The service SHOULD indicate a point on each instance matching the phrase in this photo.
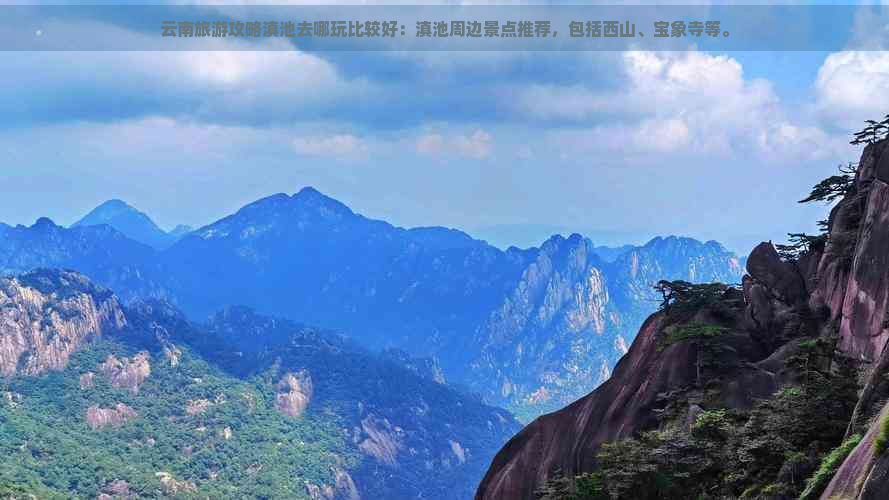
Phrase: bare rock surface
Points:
(294, 393)
(127, 373)
(98, 418)
(46, 316)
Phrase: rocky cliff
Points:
(757, 392)
(571, 316)
(46, 316)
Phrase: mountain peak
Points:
(105, 212)
(129, 221)
(44, 222)
(116, 203)
(311, 197)
(308, 191)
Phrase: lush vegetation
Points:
(770, 450)
(695, 330)
(208, 425)
(882, 440)
(681, 298)
(50, 451)
(872, 132)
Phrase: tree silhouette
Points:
(873, 132)
(835, 186)
(799, 244)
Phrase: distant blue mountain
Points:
(132, 223)
(530, 329)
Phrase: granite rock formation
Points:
(837, 289)
(46, 316)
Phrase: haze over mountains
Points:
(530, 329)
(132, 223)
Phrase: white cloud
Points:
(261, 82)
(476, 146)
(802, 142)
(662, 135)
(342, 146)
(852, 87)
(680, 102)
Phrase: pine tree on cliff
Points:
(835, 186)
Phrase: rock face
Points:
(381, 440)
(46, 316)
(520, 327)
(197, 407)
(294, 393)
(568, 439)
(117, 490)
(343, 488)
(565, 322)
(127, 373)
(98, 418)
(841, 287)
(173, 486)
(87, 380)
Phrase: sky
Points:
(509, 146)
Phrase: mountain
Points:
(101, 252)
(610, 254)
(529, 329)
(775, 389)
(571, 316)
(132, 223)
(512, 325)
(179, 231)
(242, 405)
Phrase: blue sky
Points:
(617, 145)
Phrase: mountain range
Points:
(528, 329)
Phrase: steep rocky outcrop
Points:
(172, 486)
(294, 393)
(741, 349)
(379, 439)
(628, 402)
(566, 321)
(98, 418)
(87, 380)
(343, 488)
(117, 490)
(125, 372)
(46, 316)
